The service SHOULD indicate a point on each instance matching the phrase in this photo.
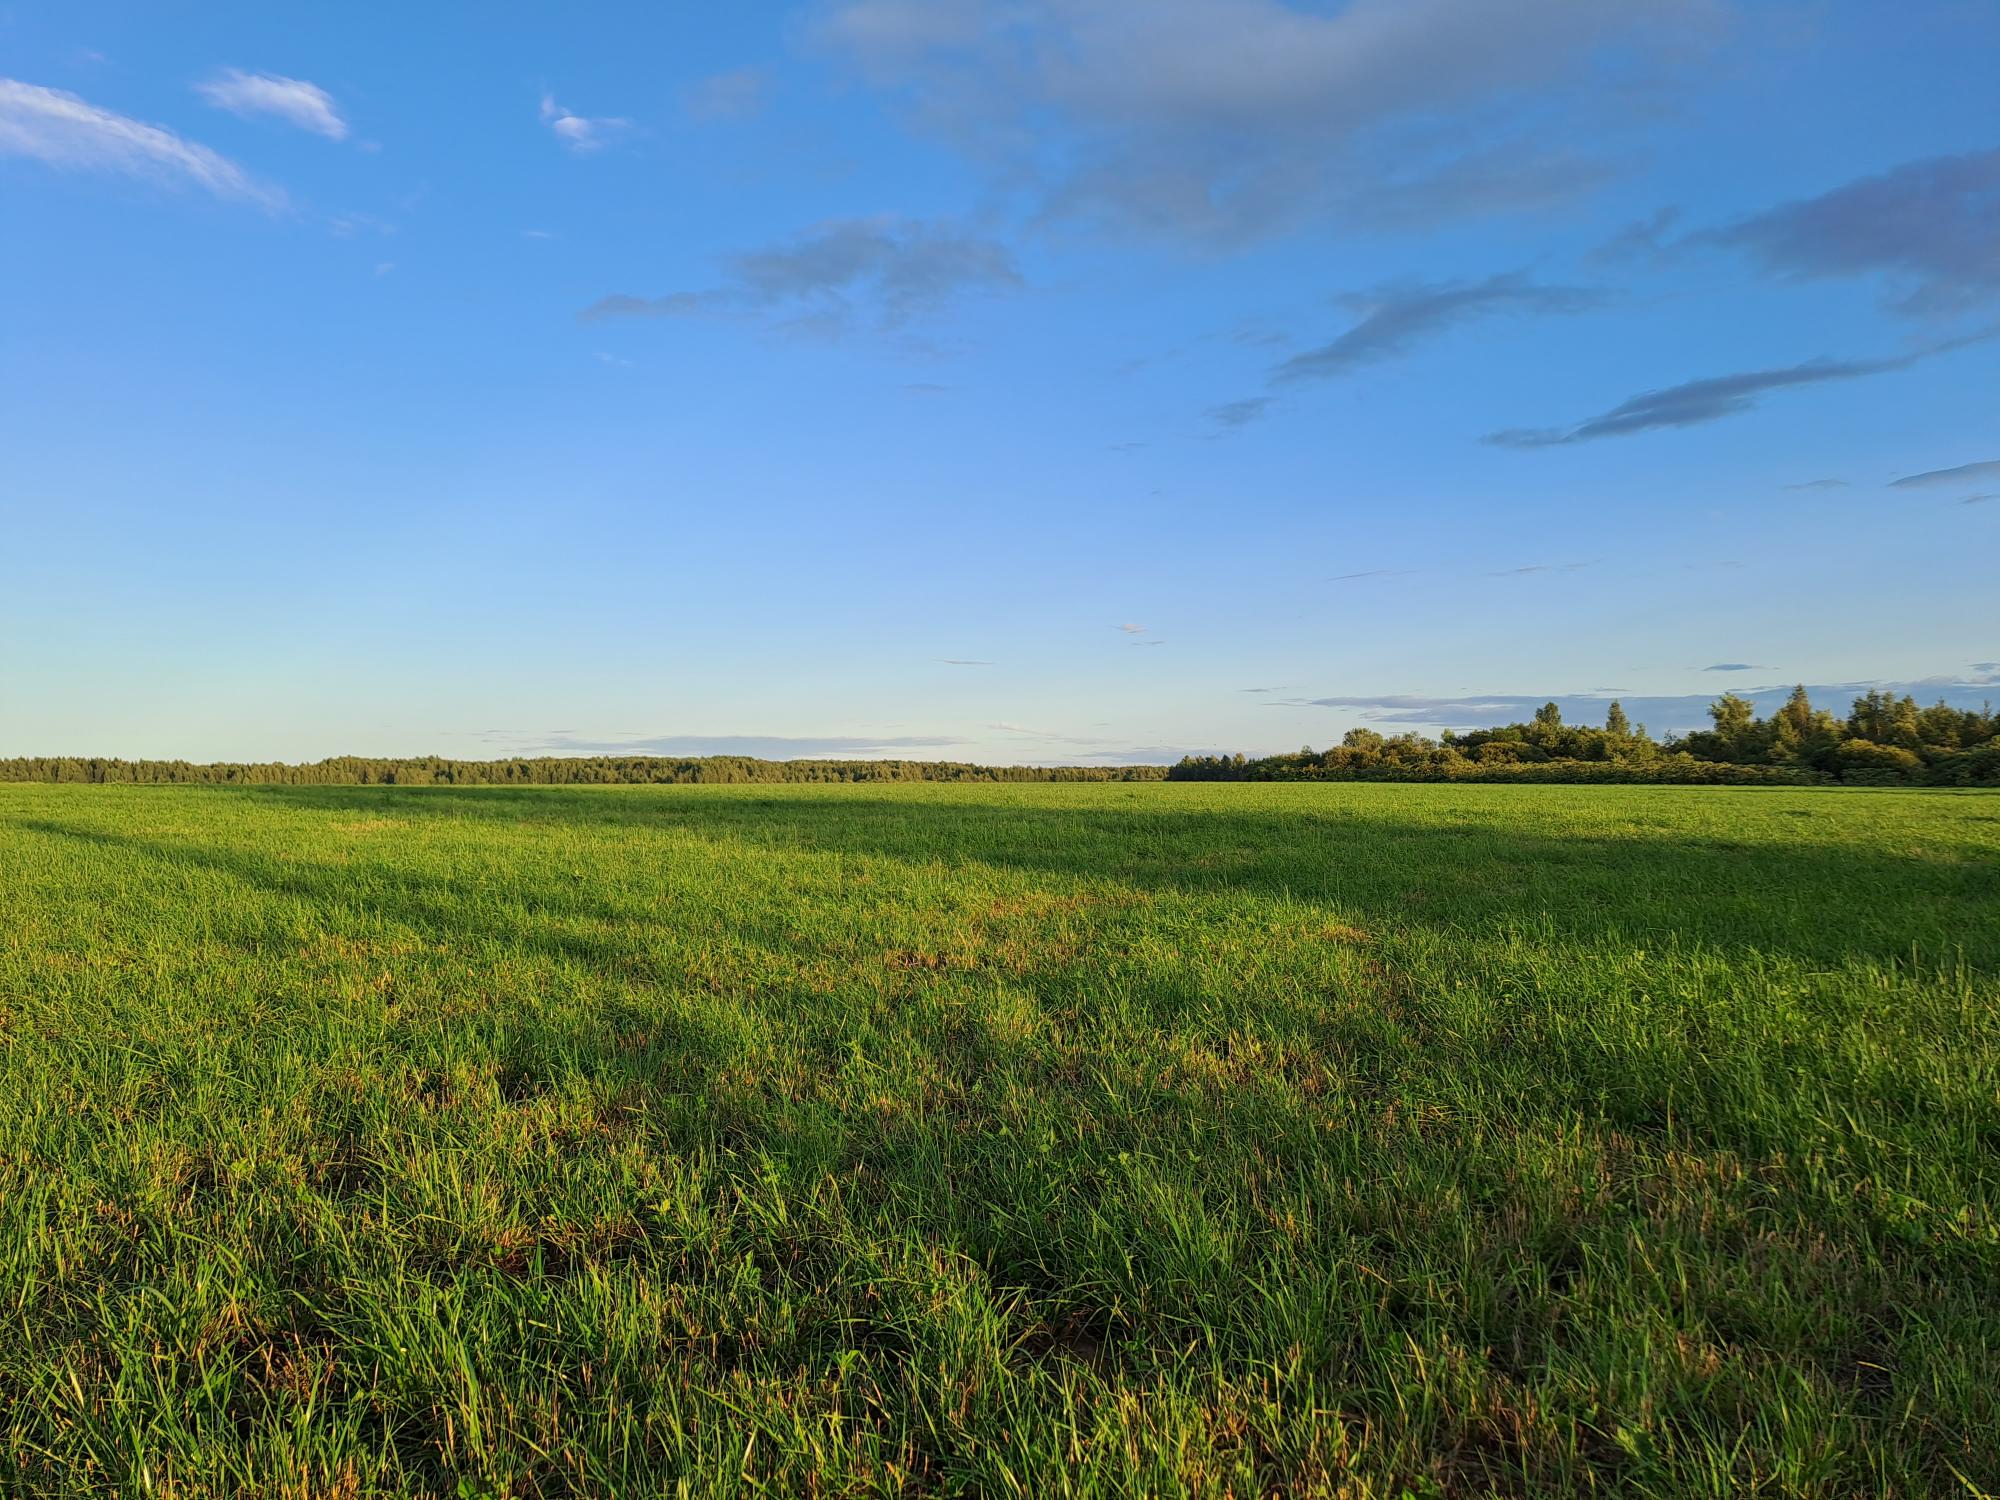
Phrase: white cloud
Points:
(69, 133)
(292, 100)
(581, 133)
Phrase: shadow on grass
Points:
(1464, 872)
(759, 1074)
(1432, 891)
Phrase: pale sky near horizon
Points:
(1002, 380)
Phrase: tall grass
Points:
(1110, 1140)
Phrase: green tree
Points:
(1735, 723)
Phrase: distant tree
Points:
(1801, 735)
(1942, 728)
(1735, 721)
(1884, 719)
(1615, 723)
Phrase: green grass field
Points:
(1359, 1140)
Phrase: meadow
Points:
(1207, 1139)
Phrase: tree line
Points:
(582, 770)
(1884, 740)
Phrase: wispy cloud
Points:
(1973, 473)
(582, 133)
(65, 131)
(1735, 666)
(1716, 396)
(1046, 736)
(1515, 177)
(1642, 240)
(1568, 567)
(888, 270)
(1394, 318)
(1819, 484)
(1239, 413)
(1224, 120)
(962, 661)
(1131, 629)
(1369, 573)
(293, 100)
(735, 95)
(1137, 755)
(1929, 226)
(349, 225)
(1660, 713)
(1984, 499)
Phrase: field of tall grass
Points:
(1359, 1140)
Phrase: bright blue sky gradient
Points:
(1015, 380)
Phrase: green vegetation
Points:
(1884, 741)
(1366, 1141)
(548, 770)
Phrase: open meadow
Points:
(1360, 1140)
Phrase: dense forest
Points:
(1883, 740)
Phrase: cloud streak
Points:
(1973, 473)
(1240, 413)
(1929, 226)
(1663, 714)
(65, 131)
(1395, 318)
(1706, 400)
(293, 100)
(886, 270)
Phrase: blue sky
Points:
(1009, 380)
